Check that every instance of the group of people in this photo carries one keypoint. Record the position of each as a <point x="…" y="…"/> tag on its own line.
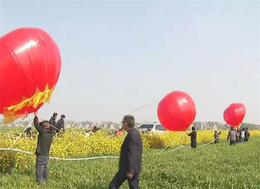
<point x="235" y="136"/>
<point x="239" y="135"/>
<point x="57" y="126"/>
<point x="46" y="130"/>
<point x="130" y="163"/>
<point x="60" y="125"/>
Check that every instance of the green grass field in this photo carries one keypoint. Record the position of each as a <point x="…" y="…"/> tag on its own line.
<point x="214" y="166"/>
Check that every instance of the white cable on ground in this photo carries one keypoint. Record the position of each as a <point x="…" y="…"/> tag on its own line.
<point x="18" y="137"/>
<point x="57" y="158"/>
<point x="92" y="158"/>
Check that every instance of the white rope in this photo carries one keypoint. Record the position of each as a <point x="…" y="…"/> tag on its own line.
<point x="64" y="159"/>
<point x="90" y="158"/>
<point x="21" y="134"/>
<point x="18" y="138"/>
<point x="142" y="107"/>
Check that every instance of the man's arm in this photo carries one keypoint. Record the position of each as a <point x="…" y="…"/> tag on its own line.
<point x="228" y="135"/>
<point x="36" y="123"/>
<point x="189" y="134"/>
<point x="58" y="126"/>
<point x="131" y="154"/>
<point x="63" y="127"/>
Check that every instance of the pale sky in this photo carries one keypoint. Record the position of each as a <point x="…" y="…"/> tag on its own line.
<point x="119" y="56"/>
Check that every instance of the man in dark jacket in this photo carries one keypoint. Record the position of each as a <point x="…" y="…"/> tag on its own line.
<point x="130" y="163"/>
<point x="216" y="136"/>
<point x="232" y="136"/>
<point x="193" y="137"/>
<point x="61" y="123"/>
<point x="53" y="120"/>
<point x="45" y="138"/>
<point x="247" y="135"/>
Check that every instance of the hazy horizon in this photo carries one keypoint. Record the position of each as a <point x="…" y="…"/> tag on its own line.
<point x="120" y="56"/>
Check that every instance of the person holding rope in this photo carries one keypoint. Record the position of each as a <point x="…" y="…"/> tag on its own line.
<point x="193" y="137"/>
<point x="53" y="121"/>
<point x="130" y="163"/>
<point x="216" y="136"/>
<point x="61" y="124"/>
<point x="45" y="138"/>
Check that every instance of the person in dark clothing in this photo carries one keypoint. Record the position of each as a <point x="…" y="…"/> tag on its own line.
<point x="45" y="138"/>
<point x="232" y="136"/>
<point x="95" y="129"/>
<point x="193" y="137"/>
<point x="216" y="136"/>
<point x="28" y="131"/>
<point x="238" y="134"/>
<point x="61" y="124"/>
<point x="53" y="121"/>
<point x="247" y="135"/>
<point x="130" y="163"/>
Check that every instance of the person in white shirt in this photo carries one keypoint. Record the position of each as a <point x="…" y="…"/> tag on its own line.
<point x="242" y="135"/>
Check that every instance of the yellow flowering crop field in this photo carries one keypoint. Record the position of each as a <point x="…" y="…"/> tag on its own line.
<point x="75" y="144"/>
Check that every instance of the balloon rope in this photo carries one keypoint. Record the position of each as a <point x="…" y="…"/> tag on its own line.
<point x="18" y="137"/>
<point x="93" y="158"/>
<point x="57" y="158"/>
<point x="140" y="108"/>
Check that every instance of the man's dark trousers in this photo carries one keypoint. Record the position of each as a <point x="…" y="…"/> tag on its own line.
<point x="41" y="168"/>
<point x="121" y="177"/>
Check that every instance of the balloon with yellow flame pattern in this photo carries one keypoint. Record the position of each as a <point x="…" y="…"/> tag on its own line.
<point x="30" y="65"/>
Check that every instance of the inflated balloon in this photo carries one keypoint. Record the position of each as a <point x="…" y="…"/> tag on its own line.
<point x="234" y="114"/>
<point x="30" y="65"/>
<point x="176" y="111"/>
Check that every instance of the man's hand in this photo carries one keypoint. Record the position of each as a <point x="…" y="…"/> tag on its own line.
<point x="36" y="114"/>
<point x="129" y="175"/>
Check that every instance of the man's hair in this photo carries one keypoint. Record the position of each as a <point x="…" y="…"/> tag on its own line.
<point x="45" y="124"/>
<point x="130" y="120"/>
<point x="193" y="128"/>
<point x="63" y="116"/>
<point x="55" y="114"/>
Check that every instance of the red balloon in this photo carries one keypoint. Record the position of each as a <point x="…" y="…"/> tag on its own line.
<point x="234" y="114"/>
<point x="30" y="65"/>
<point x="176" y="111"/>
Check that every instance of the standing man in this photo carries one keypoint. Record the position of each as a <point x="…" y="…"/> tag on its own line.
<point x="247" y="135"/>
<point x="193" y="137"/>
<point x="238" y="134"/>
<point x="53" y="120"/>
<point x="130" y="163"/>
<point x="232" y="136"/>
<point x="61" y="123"/>
<point x="45" y="138"/>
<point x="216" y="136"/>
<point x="242" y="135"/>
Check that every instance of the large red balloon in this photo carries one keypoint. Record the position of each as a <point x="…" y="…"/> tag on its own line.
<point x="176" y="111"/>
<point x="30" y="65"/>
<point x="234" y="114"/>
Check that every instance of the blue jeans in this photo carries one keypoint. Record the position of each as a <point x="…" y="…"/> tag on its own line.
<point x="242" y="139"/>
<point x="41" y="168"/>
